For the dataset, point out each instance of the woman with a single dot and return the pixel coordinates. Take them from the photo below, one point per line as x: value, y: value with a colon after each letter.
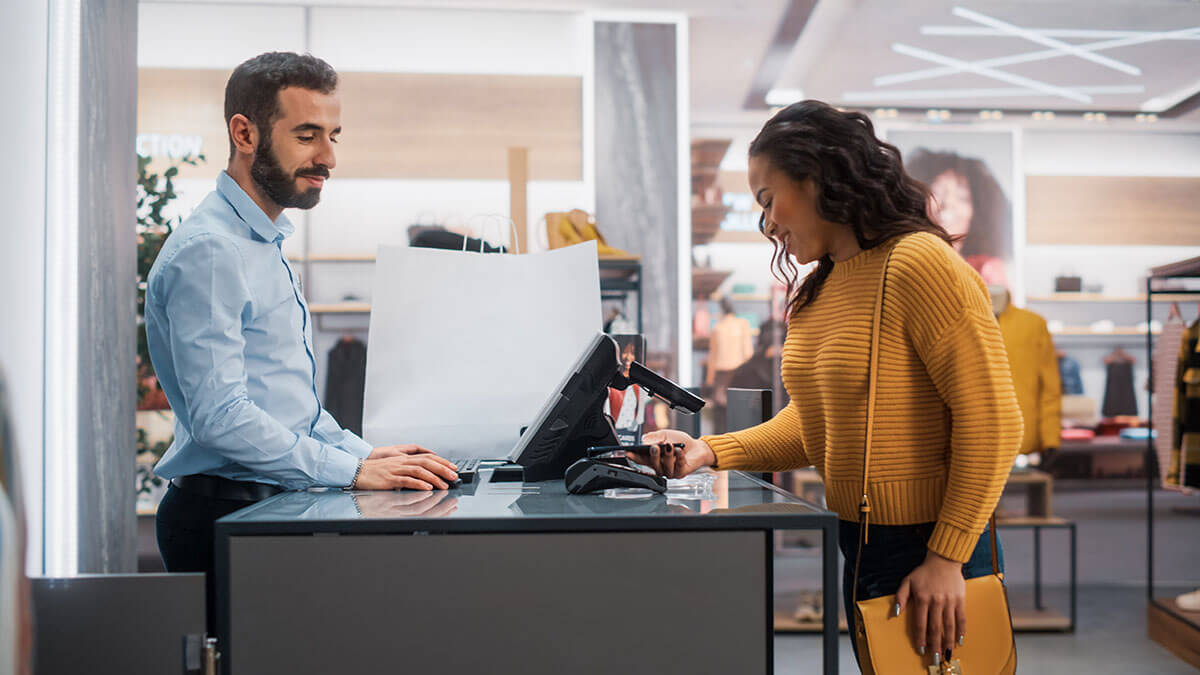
x: 947, y: 424
x: 970, y: 204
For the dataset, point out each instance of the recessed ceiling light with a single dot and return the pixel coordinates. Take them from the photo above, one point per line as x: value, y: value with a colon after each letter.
x: 783, y: 97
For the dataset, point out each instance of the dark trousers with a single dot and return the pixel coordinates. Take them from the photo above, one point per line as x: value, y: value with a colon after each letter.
x: 184, y: 528
x: 892, y: 553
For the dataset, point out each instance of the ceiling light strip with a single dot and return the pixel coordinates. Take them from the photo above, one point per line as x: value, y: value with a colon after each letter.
x: 979, y: 31
x: 1001, y: 75
x: 986, y: 20
x: 1167, y: 101
x: 977, y: 92
x: 1043, y: 55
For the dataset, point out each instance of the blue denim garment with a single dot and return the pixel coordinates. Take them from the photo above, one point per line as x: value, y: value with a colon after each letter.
x: 892, y: 553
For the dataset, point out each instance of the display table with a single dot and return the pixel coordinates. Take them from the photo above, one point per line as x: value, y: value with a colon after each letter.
x: 511, y: 577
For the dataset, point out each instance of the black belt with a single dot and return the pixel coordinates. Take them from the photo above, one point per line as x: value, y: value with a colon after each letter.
x: 215, y: 487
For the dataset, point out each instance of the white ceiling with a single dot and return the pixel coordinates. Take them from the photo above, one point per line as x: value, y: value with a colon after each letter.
x: 847, y: 44
x: 1131, y: 68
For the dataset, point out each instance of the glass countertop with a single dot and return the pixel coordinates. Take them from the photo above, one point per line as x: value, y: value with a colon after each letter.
x: 705, y: 496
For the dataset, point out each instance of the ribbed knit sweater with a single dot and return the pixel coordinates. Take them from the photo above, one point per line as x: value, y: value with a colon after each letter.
x: 947, y: 425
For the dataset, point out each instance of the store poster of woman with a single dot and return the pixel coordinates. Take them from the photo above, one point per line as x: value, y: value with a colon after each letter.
x: 972, y: 177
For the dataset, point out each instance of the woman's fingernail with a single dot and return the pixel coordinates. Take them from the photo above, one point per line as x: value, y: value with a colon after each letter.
x: 960, y: 639
x: 896, y: 610
x: 937, y: 658
x: 921, y: 650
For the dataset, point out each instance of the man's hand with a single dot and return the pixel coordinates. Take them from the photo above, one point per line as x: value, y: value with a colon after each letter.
x: 416, y: 471
x: 405, y: 504
x: 397, y: 450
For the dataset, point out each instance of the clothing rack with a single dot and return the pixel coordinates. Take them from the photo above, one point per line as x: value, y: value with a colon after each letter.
x: 1167, y: 625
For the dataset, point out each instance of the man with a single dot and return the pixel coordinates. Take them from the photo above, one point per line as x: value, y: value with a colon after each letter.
x: 229, y: 331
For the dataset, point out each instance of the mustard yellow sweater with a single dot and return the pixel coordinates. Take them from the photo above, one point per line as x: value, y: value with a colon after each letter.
x: 947, y: 426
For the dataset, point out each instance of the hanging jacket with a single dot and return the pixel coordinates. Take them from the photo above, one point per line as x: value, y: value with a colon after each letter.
x: 1072, y: 380
x: 345, y: 383
x: 1188, y: 407
x: 1035, y: 376
x: 1165, y: 379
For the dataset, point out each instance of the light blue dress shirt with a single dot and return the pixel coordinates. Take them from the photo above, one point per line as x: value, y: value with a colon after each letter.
x: 230, y: 338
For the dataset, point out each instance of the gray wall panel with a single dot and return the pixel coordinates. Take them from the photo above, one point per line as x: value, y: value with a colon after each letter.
x: 637, y: 172
x: 107, y: 269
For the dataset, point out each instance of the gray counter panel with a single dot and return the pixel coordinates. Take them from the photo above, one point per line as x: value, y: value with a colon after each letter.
x: 529, y: 603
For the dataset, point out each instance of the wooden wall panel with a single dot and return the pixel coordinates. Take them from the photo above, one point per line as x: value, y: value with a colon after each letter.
x: 1113, y: 210
x: 401, y: 125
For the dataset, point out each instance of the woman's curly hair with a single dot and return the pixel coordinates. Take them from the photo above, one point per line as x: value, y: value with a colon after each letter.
x: 860, y: 182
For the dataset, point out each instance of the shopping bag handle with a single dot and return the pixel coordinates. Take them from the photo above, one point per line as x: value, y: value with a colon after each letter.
x: 492, y: 217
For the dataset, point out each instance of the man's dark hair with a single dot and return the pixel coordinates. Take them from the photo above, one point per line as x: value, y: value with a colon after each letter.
x: 253, y: 88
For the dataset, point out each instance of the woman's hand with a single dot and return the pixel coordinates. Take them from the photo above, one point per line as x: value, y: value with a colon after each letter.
x: 938, y: 594
x: 669, y: 461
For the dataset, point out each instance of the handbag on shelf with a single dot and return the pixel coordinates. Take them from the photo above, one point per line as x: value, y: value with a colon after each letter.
x: 885, y: 644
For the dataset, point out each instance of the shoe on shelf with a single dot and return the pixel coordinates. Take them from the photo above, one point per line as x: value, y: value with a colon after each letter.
x: 808, y: 607
x: 1189, y: 601
x: 585, y: 226
x: 559, y: 230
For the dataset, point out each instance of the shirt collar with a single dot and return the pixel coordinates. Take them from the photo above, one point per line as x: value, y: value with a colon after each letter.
x: 250, y: 213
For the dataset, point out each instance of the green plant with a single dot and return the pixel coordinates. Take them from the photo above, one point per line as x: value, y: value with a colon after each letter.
x: 154, y: 193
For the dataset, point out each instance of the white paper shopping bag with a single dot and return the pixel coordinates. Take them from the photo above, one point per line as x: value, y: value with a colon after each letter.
x: 465, y: 347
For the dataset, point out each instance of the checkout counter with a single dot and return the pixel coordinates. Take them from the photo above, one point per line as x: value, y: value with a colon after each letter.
x: 512, y: 577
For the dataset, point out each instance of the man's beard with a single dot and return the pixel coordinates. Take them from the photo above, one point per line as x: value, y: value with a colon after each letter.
x: 278, y: 185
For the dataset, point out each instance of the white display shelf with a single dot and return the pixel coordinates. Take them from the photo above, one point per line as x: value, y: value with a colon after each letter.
x: 1084, y: 331
x: 341, y: 308
x: 1106, y: 299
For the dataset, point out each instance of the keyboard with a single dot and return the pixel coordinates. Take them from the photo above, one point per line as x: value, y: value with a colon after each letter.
x: 467, y: 468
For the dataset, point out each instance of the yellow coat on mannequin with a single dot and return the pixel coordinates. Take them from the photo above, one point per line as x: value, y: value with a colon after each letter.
x: 1035, y: 375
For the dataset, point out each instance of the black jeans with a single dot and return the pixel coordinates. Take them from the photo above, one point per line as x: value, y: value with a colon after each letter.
x: 892, y: 553
x: 184, y: 528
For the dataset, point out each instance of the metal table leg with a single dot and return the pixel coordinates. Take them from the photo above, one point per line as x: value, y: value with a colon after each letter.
x: 829, y: 588
x: 1074, y: 568
x: 1037, y: 568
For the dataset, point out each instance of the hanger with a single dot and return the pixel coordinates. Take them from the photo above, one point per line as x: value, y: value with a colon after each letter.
x: 1119, y: 355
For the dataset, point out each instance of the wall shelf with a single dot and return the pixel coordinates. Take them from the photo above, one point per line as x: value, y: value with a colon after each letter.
x: 332, y: 258
x: 1084, y: 331
x: 1107, y: 299
x: 739, y: 237
x: 341, y: 308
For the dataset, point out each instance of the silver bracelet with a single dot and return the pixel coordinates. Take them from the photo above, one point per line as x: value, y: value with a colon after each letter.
x: 357, y: 471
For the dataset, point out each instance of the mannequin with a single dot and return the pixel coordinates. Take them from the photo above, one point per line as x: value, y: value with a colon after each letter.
x: 1000, y: 298
x: 730, y: 346
x: 1035, y: 372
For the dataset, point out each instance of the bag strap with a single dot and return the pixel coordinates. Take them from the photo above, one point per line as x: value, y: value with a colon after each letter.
x: 864, y: 507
